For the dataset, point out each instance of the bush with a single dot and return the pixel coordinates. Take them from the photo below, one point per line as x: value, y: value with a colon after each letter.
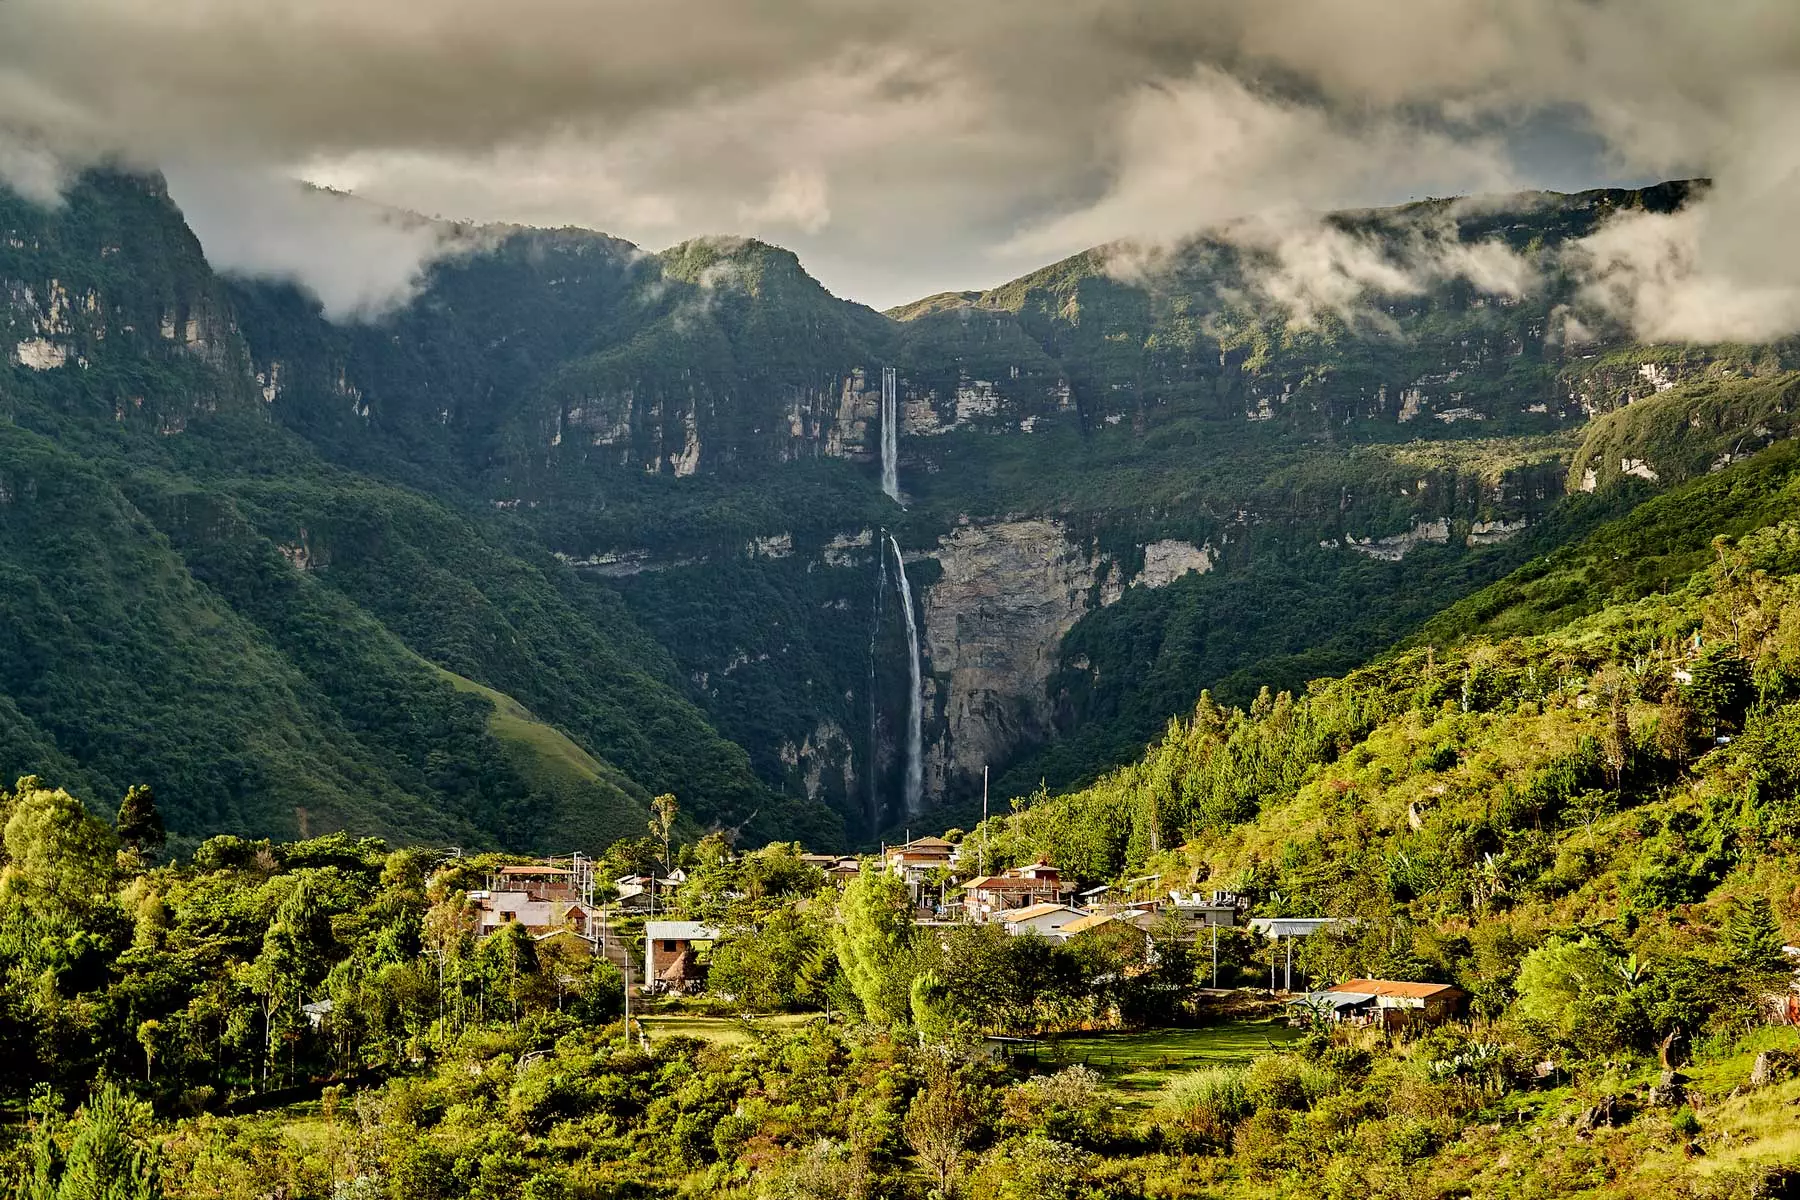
x: 1206, y: 1103
x: 1281, y: 1081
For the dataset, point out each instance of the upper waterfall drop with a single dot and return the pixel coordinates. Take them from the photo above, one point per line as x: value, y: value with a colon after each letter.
x: 890, y: 434
x: 915, y: 712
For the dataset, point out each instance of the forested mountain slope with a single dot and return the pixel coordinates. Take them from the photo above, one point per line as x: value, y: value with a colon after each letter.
x: 201, y: 603
x: 637, y: 495
x: 1596, y: 743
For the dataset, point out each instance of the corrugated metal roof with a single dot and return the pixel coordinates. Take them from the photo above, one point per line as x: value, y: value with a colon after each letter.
x: 1394, y: 987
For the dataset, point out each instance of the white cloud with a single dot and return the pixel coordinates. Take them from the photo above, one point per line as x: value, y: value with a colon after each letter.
x: 359, y: 259
x: 908, y: 147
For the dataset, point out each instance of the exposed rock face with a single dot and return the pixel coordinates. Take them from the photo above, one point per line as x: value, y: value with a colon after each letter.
x: 1395, y: 547
x: 1490, y: 533
x: 1168, y: 560
x: 824, y: 762
x: 1009, y: 594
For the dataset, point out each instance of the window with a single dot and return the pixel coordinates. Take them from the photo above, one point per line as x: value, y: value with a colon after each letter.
x: 668, y: 947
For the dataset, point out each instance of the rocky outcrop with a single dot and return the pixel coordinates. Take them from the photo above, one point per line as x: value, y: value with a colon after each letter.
x: 1395, y: 547
x: 1009, y: 593
x: 823, y: 763
x: 1168, y: 560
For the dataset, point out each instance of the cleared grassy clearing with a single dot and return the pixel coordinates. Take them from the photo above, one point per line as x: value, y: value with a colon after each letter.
x: 725, y: 1031
x: 1136, y: 1065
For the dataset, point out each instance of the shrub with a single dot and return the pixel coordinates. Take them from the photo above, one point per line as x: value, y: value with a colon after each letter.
x: 1207, y: 1103
x: 1282, y: 1081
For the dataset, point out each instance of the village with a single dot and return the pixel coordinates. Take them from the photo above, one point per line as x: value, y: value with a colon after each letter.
x: 669, y: 956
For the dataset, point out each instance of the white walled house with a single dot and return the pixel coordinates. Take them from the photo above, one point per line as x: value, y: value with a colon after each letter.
x: 1047, y: 919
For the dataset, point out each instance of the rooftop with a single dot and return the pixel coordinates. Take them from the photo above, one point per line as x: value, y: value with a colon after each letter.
x: 1391, y: 987
x: 680, y: 931
x: 1003, y: 883
x: 1040, y: 910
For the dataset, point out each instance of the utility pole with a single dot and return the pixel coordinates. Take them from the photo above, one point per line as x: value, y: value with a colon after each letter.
x: 984, y: 818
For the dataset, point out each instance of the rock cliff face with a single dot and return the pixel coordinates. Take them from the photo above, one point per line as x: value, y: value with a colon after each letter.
x: 1009, y: 593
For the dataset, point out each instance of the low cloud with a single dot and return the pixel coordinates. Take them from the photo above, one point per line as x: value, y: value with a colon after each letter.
x: 904, y: 149
x: 797, y: 199
x: 1309, y: 269
x: 360, y: 260
x: 31, y: 169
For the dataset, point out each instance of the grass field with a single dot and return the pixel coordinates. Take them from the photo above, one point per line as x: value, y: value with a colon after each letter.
x: 727, y: 1031
x: 1137, y: 1065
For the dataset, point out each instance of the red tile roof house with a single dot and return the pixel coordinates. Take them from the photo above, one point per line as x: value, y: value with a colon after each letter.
x: 991, y: 897
x: 1393, y: 1003
x: 918, y: 858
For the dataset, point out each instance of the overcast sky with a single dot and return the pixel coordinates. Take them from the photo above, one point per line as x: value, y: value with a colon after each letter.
x: 903, y: 146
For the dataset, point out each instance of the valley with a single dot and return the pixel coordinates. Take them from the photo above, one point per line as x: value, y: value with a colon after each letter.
x: 641, y: 495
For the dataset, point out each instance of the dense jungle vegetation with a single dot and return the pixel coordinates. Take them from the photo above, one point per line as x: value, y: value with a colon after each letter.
x: 1582, y: 813
x: 302, y: 576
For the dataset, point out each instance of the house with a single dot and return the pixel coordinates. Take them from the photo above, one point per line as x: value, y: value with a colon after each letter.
x: 1392, y: 1003
x: 645, y: 893
x: 536, y: 913
x: 917, y: 859
x: 843, y: 871
x: 316, y: 1012
x: 988, y: 897
x: 543, y: 881
x: 673, y: 954
x: 1090, y: 922
x: 1291, y: 927
x: 1217, y: 911
x: 1048, y: 918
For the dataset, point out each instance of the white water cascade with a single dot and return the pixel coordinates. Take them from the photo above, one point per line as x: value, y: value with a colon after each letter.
x: 915, y: 713
x: 874, y: 801
x: 890, y: 434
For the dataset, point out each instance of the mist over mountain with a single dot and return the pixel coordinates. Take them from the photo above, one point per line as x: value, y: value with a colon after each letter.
x: 569, y: 523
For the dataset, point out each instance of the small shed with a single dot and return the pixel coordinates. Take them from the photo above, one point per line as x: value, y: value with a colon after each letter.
x: 1392, y: 1002
x: 671, y: 953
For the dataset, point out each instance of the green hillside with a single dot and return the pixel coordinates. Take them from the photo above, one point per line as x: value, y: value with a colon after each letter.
x: 638, y: 494
x: 200, y: 602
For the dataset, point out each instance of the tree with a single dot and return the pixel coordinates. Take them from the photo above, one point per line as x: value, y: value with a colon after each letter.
x: 871, y: 941
x: 1557, y: 975
x: 663, y: 811
x: 139, y: 823
x: 61, y: 859
x: 509, y: 961
x: 1751, y: 935
x: 762, y: 966
x: 109, y: 1159
x: 938, y: 1125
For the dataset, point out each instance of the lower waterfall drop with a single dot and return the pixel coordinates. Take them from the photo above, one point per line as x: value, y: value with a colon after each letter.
x: 874, y: 798
x: 915, y: 710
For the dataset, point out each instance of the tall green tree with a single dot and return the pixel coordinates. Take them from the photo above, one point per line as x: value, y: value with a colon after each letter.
x: 139, y: 823
x: 61, y: 860
x: 871, y: 940
x: 1751, y: 935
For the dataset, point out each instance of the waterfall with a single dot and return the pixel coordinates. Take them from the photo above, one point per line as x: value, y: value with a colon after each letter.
x: 890, y: 434
x: 874, y: 801
x: 915, y: 715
